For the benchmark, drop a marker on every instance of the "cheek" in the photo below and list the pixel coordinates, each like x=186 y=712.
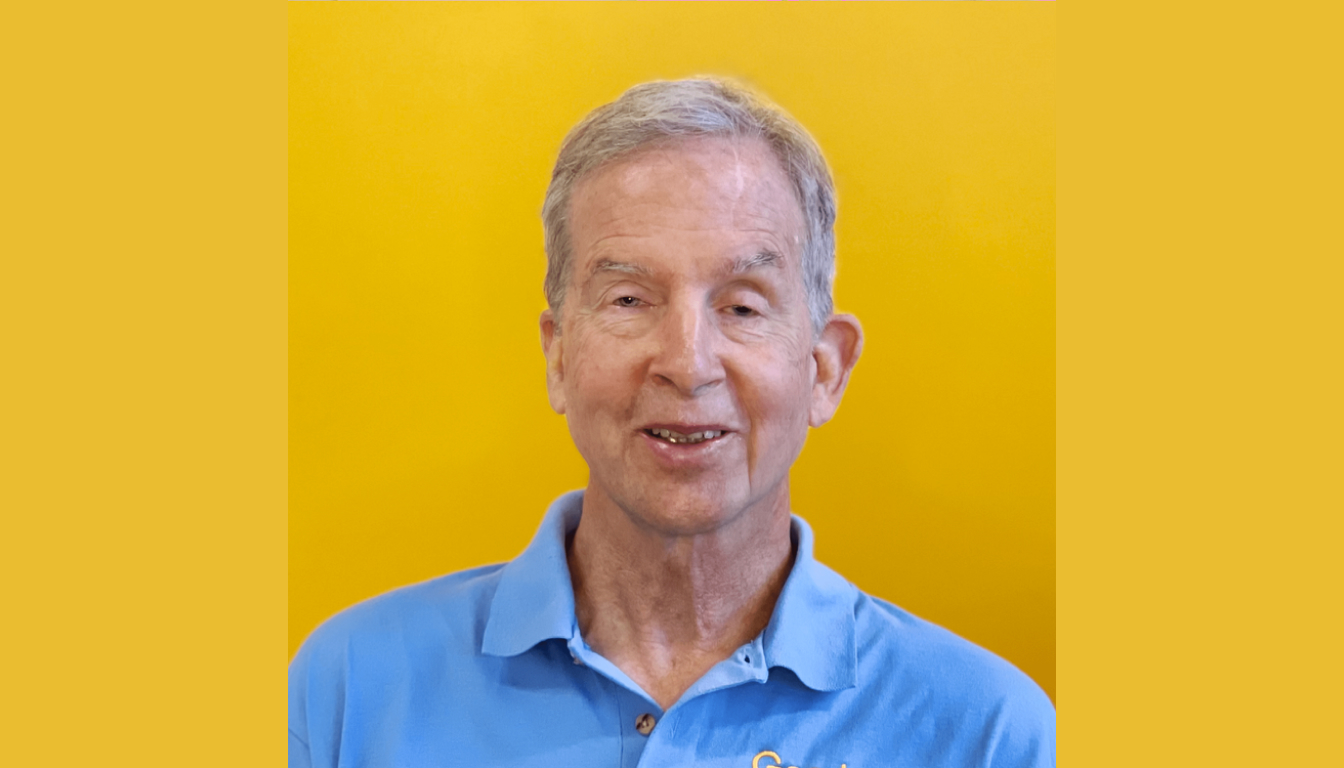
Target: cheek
x=599 y=378
x=779 y=401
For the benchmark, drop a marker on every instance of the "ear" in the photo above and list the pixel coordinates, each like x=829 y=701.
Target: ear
x=553 y=347
x=835 y=353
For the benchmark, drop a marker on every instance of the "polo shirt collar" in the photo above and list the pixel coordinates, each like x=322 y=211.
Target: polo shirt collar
x=811 y=631
x=535 y=598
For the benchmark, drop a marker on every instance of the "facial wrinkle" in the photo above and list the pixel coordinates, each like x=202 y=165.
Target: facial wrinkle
x=739 y=179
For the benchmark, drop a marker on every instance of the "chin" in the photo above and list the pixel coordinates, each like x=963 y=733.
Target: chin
x=683 y=512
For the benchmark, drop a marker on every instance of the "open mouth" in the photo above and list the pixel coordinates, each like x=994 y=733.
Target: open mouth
x=677 y=438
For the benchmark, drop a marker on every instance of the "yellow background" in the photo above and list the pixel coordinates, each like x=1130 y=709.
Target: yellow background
x=421 y=138
x=143 y=443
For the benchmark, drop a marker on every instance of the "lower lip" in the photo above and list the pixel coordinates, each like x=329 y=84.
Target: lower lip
x=685 y=454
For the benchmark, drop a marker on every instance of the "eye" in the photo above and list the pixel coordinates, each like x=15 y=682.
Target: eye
x=628 y=301
x=741 y=310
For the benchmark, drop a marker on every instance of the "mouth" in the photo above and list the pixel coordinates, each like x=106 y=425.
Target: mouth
x=693 y=437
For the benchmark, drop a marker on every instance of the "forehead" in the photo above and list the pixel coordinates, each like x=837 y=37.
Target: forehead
x=703 y=191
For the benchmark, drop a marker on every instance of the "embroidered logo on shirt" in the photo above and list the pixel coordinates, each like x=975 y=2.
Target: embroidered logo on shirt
x=756 y=761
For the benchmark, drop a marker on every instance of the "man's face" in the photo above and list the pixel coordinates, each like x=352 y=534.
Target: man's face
x=685 y=362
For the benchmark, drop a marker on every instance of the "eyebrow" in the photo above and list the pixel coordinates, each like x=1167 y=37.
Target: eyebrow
x=761 y=259
x=607 y=265
x=740 y=265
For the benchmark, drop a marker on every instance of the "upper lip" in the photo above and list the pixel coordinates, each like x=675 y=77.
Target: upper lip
x=687 y=429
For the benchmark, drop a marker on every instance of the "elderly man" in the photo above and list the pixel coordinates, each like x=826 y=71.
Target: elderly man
x=671 y=613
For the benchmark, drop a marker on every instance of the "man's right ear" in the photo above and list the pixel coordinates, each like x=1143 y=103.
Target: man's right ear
x=553 y=347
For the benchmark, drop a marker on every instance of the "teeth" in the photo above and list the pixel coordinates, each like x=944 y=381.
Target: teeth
x=694 y=437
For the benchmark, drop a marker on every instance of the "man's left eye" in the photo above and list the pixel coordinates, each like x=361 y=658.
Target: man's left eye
x=741 y=310
x=627 y=301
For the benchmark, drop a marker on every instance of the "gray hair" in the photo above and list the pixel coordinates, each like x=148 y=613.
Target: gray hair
x=663 y=110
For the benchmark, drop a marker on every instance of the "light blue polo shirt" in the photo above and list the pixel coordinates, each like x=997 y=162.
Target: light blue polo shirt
x=487 y=668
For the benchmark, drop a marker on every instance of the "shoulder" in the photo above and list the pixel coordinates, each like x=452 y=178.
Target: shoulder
x=448 y=611
x=892 y=635
x=954 y=682
x=368 y=658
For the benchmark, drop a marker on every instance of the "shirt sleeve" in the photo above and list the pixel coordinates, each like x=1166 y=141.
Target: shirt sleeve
x=1025 y=735
x=310 y=704
x=298 y=752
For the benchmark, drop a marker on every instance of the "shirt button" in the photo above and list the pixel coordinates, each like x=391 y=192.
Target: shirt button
x=644 y=723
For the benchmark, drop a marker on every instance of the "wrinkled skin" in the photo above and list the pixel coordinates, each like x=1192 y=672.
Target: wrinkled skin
x=668 y=333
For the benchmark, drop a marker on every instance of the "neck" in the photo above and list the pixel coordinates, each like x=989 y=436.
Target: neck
x=666 y=607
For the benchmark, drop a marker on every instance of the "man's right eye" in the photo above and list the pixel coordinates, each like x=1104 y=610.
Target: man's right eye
x=627 y=301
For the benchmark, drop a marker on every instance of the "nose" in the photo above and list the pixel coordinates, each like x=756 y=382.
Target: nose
x=687 y=357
